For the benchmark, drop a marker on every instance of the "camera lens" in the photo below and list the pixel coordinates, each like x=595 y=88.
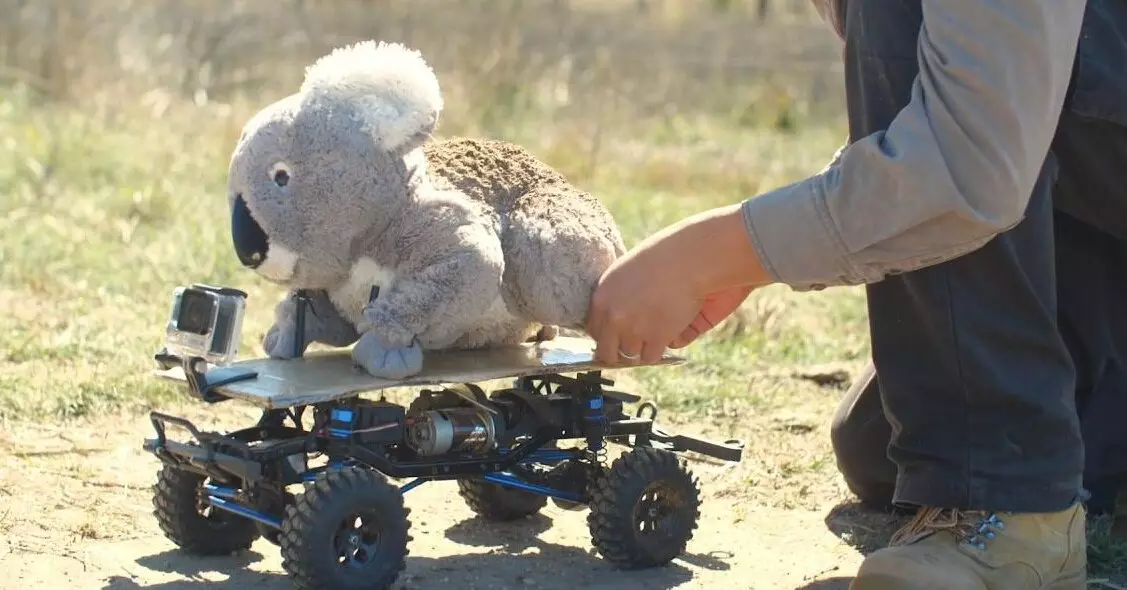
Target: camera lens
x=195 y=312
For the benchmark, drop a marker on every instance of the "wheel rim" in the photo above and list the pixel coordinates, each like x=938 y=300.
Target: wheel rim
x=357 y=541
x=658 y=513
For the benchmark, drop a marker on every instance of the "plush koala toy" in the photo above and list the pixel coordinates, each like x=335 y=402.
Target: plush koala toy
x=336 y=189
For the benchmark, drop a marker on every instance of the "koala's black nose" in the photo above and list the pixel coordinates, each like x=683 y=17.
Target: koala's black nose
x=249 y=237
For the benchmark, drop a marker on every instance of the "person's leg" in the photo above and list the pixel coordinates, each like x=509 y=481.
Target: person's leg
x=975 y=378
x=1091 y=291
x=1091 y=236
x=860 y=435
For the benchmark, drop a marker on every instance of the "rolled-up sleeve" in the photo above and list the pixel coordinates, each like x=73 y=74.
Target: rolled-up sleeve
x=957 y=165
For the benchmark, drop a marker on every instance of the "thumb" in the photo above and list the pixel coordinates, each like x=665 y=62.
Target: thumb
x=687 y=336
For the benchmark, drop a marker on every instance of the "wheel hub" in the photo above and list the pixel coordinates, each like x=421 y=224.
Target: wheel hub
x=358 y=541
x=656 y=512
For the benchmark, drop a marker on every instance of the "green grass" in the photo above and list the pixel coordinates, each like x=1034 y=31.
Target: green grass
x=102 y=214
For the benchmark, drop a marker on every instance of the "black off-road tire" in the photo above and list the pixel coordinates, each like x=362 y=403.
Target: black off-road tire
x=641 y=487
x=568 y=505
x=179 y=508
x=312 y=542
x=498 y=503
x=588 y=476
x=278 y=506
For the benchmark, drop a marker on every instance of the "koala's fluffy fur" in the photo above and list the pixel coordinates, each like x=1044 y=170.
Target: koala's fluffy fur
x=471 y=242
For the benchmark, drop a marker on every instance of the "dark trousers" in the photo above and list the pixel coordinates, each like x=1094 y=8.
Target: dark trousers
x=992 y=371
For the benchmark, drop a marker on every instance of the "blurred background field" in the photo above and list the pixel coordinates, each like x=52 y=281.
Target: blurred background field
x=117 y=118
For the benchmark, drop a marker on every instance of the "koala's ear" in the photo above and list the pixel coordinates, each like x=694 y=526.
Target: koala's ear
x=396 y=92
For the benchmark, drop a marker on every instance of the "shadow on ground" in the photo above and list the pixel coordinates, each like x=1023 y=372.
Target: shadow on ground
x=516 y=558
x=522 y=537
x=828 y=584
x=863 y=528
x=198 y=572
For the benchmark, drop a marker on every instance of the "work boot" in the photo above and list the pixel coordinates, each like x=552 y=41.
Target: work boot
x=954 y=550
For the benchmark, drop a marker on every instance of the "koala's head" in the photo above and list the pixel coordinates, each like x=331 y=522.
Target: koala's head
x=319 y=170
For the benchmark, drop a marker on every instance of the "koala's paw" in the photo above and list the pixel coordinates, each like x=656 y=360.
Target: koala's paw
x=387 y=362
x=547 y=333
x=279 y=341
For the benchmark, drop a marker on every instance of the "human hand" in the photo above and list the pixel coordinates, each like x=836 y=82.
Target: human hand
x=673 y=286
x=715 y=309
x=639 y=306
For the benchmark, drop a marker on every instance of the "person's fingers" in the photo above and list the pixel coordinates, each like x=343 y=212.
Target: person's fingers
x=606 y=349
x=630 y=347
x=703 y=323
x=595 y=319
x=652 y=353
x=686 y=337
x=596 y=325
x=708 y=319
x=721 y=305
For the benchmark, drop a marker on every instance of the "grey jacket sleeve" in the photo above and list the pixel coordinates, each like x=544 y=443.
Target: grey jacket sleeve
x=956 y=166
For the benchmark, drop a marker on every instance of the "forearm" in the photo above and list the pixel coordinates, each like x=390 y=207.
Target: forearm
x=955 y=167
x=712 y=251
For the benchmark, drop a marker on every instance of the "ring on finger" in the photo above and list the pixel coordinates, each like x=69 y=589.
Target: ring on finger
x=629 y=357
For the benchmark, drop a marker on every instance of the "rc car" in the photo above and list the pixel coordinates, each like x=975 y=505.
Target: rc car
x=329 y=494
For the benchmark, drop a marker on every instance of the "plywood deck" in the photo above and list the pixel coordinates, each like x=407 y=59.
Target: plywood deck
x=328 y=375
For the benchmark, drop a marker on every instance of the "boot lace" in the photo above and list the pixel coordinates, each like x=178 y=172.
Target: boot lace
x=971 y=527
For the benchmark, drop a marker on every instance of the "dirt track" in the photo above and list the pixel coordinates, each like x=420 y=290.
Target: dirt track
x=75 y=513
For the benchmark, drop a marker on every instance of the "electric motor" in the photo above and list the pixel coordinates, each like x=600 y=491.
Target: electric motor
x=437 y=432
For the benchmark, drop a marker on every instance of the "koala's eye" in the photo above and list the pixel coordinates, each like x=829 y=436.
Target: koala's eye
x=280 y=174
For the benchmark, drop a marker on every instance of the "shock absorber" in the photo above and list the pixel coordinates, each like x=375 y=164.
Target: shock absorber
x=594 y=417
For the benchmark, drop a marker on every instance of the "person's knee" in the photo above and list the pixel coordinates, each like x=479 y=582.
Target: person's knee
x=875 y=490
x=859 y=435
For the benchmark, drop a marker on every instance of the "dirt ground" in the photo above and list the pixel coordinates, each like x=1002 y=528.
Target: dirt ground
x=75 y=513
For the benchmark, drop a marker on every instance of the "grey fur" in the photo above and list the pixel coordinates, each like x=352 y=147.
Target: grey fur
x=464 y=225
x=389 y=362
x=323 y=323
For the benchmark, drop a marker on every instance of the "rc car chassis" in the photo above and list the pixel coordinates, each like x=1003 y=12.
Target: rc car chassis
x=346 y=526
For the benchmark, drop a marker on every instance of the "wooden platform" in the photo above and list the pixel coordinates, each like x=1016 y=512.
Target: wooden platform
x=327 y=375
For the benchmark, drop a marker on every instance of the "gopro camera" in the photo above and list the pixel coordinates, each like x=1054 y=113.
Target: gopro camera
x=206 y=322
